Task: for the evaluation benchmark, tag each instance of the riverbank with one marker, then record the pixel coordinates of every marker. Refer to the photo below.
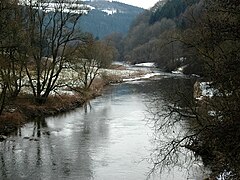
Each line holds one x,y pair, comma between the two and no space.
23,109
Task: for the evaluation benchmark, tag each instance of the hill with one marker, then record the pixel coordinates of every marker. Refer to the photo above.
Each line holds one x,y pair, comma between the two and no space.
107,17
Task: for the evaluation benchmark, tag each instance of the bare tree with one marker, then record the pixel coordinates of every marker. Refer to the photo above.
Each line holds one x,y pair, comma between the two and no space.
11,51
89,58
52,26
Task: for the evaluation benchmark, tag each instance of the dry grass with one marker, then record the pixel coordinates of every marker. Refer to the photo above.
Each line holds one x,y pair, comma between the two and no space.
9,122
118,67
24,109
97,86
54,105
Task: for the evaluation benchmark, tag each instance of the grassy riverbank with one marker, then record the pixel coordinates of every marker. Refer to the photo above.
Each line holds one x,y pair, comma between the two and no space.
23,109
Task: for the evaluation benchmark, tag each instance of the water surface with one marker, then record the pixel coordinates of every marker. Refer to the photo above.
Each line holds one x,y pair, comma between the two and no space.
109,138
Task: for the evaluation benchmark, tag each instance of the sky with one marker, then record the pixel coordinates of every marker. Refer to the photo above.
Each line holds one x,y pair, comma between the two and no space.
146,4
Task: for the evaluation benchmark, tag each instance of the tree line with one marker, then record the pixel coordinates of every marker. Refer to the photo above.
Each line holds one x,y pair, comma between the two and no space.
41,40
203,38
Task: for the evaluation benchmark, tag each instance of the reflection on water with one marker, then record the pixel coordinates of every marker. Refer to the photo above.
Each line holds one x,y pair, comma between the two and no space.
108,138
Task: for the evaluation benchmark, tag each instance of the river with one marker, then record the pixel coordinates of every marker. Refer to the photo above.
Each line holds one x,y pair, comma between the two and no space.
109,138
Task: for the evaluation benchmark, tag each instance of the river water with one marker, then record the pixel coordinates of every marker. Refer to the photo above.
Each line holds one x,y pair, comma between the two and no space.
109,138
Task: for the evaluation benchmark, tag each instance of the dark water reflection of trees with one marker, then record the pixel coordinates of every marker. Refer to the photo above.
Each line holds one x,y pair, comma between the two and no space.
171,113
187,130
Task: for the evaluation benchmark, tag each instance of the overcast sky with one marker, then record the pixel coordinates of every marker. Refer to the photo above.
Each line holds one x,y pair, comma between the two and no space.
146,4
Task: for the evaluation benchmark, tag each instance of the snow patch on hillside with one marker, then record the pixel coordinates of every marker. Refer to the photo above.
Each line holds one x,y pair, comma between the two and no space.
110,11
68,7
